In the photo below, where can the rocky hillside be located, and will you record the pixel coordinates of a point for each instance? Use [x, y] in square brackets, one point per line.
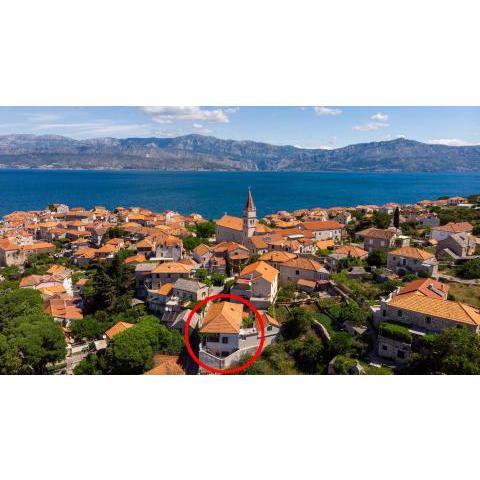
[197, 152]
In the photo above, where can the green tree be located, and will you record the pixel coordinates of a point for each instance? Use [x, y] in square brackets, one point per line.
[377, 258]
[396, 218]
[206, 229]
[191, 242]
[350, 312]
[131, 352]
[297, 324]
[309, 355]
[91, 365]
[29, 338]
[470, 269]
[111, 287]
[381, 219]
[218, 279]
[113, 232]
[92, 326]
[454, 352]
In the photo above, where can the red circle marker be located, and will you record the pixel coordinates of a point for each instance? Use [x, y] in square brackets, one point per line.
[218, 370]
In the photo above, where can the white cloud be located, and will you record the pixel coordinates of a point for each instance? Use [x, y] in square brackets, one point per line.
[182, 114]
[327, 111]
[371, 126]
[452, 142]
[379, 117]
[198, 128]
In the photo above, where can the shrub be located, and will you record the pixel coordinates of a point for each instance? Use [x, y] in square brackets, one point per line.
[395, 332]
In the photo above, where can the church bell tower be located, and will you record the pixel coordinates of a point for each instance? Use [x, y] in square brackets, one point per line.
[249, 218]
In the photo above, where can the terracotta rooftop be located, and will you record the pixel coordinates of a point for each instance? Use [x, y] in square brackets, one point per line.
[166, 365]
[172, 267]
[234, 223]
[427, 287]
[376, 233]
[223, 317]
[412, 252]
[304, 264]
[351, 251]
[326, 225]
[260, 269]
[278, 256]
[119, 327]
[455, 311]
[455, 227]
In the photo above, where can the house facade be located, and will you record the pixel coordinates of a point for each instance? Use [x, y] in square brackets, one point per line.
[377, 239]
[411, 259]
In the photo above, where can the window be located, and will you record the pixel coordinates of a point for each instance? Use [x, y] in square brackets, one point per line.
[297, 272]
[428, 319]
[384, 347]
[399, 313]
[384, 313]
[401, 354]
[224, 339]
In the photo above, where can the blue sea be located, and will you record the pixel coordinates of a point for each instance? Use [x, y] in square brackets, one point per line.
[214, 193]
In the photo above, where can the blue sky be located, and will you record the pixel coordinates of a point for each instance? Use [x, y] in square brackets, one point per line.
[308, 127]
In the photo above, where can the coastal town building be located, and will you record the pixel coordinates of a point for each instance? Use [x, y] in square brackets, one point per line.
[442, 232]
[457, 246]
[428, 314]
[377, 239]
[344, 252]
[415, 260]
[257, 282]
[302, 269]
[227, 333]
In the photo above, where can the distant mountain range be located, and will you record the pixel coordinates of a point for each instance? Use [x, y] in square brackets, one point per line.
[198, 152]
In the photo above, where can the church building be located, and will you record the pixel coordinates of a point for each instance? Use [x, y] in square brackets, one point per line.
[235, 229]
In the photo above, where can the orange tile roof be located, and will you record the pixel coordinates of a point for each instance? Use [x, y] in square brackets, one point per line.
[145, 243]
[261, 269]
[223, 317]
[326, 225]
[304, 264]
[39, 246]
[56, 269]
[228, 247]
[267, 320]
[258, 242]
[6, 244]
[119, 327]
[58, 309]
[172, 267]
[135, 259]
[201, 249]
[261, 228]
[324, 244]
[107, 248]
[427, 287]
[166, 365]
[278, 256]
[351, 250]
[165, 289]
[455, 311]
[227, 221]
[376, 233]
[412, 252]
[455, 227]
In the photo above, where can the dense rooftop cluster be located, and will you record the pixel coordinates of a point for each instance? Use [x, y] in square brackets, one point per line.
[122, 282]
